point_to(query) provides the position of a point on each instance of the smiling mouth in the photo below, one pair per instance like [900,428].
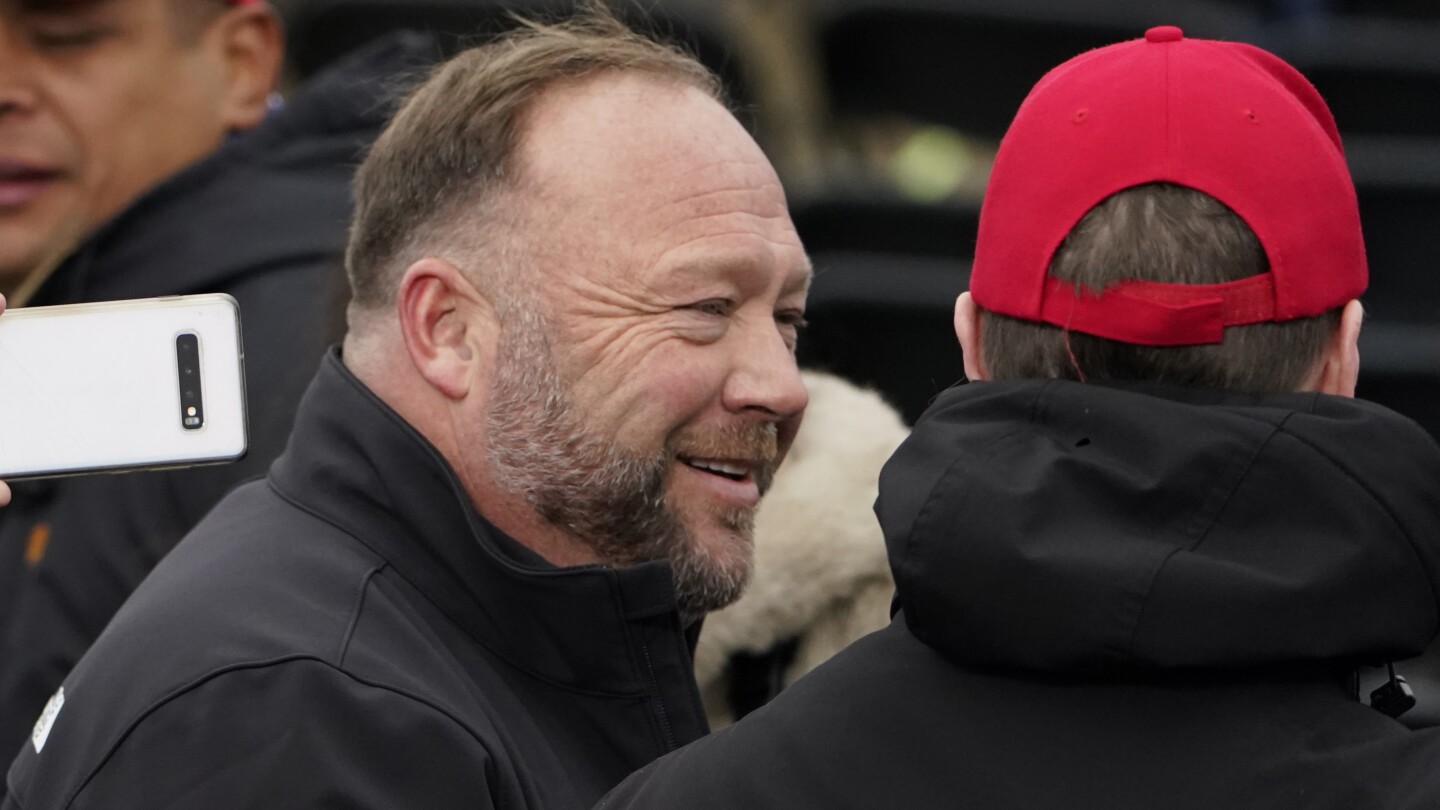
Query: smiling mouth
[732,470]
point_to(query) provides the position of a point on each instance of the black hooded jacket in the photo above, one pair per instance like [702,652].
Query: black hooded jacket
[263,219]
[351,633]
[1116,597]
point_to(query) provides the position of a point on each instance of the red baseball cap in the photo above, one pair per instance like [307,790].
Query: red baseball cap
[1224,118]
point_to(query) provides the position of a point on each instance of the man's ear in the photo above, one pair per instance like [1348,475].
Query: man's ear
[1339,365]
[249,39]
[446,324]
[967,329]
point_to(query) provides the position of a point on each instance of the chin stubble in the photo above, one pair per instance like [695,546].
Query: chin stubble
[609,498]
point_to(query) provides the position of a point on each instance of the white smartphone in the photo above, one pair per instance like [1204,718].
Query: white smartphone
[121,385]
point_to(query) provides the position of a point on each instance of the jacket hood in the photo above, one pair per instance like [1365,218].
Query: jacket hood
[254,185]
[1107,531]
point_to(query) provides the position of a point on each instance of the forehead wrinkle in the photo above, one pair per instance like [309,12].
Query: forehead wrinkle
[762,201]
[734,175]
[727,265]
[742,162]
[769,234]
[772,239]
[763,193]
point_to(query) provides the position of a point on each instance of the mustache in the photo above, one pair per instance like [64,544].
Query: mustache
[756,443]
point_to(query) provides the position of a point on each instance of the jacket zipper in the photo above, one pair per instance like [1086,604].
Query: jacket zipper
[671,741]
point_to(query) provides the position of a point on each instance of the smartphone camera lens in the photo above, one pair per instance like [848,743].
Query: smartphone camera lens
[187,360]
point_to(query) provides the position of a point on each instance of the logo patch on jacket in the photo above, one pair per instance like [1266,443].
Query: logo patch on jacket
[47,719]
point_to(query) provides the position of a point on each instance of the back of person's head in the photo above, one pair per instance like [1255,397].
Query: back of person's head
[1172,210]
[449,152]
[101,100]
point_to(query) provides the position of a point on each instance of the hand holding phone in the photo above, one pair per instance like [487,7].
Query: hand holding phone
[121,385]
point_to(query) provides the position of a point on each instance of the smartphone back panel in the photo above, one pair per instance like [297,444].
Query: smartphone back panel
[121,385]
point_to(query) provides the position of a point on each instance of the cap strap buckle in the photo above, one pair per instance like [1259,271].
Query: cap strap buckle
[1151,313]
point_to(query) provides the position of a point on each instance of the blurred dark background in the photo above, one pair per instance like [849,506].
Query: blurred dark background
[883,116]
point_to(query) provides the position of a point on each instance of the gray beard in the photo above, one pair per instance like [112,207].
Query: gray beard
[595,490]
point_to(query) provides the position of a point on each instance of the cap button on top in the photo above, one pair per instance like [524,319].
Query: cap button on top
[1164,33]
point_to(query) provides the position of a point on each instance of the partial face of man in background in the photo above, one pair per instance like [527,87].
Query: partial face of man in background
[102,99]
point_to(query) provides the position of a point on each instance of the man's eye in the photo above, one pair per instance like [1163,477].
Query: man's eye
[716,306]
[63,39]
[794,320]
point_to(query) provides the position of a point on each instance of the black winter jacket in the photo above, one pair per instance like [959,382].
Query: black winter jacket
[351,633]
[1116,597]
[263,219]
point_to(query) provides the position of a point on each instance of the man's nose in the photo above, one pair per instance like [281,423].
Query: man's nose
[766,379]
[17,88]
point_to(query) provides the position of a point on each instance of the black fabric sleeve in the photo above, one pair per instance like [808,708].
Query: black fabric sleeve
[71,552]
[104,533]
[299,734]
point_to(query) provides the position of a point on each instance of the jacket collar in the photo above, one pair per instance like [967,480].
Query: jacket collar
[357,464]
